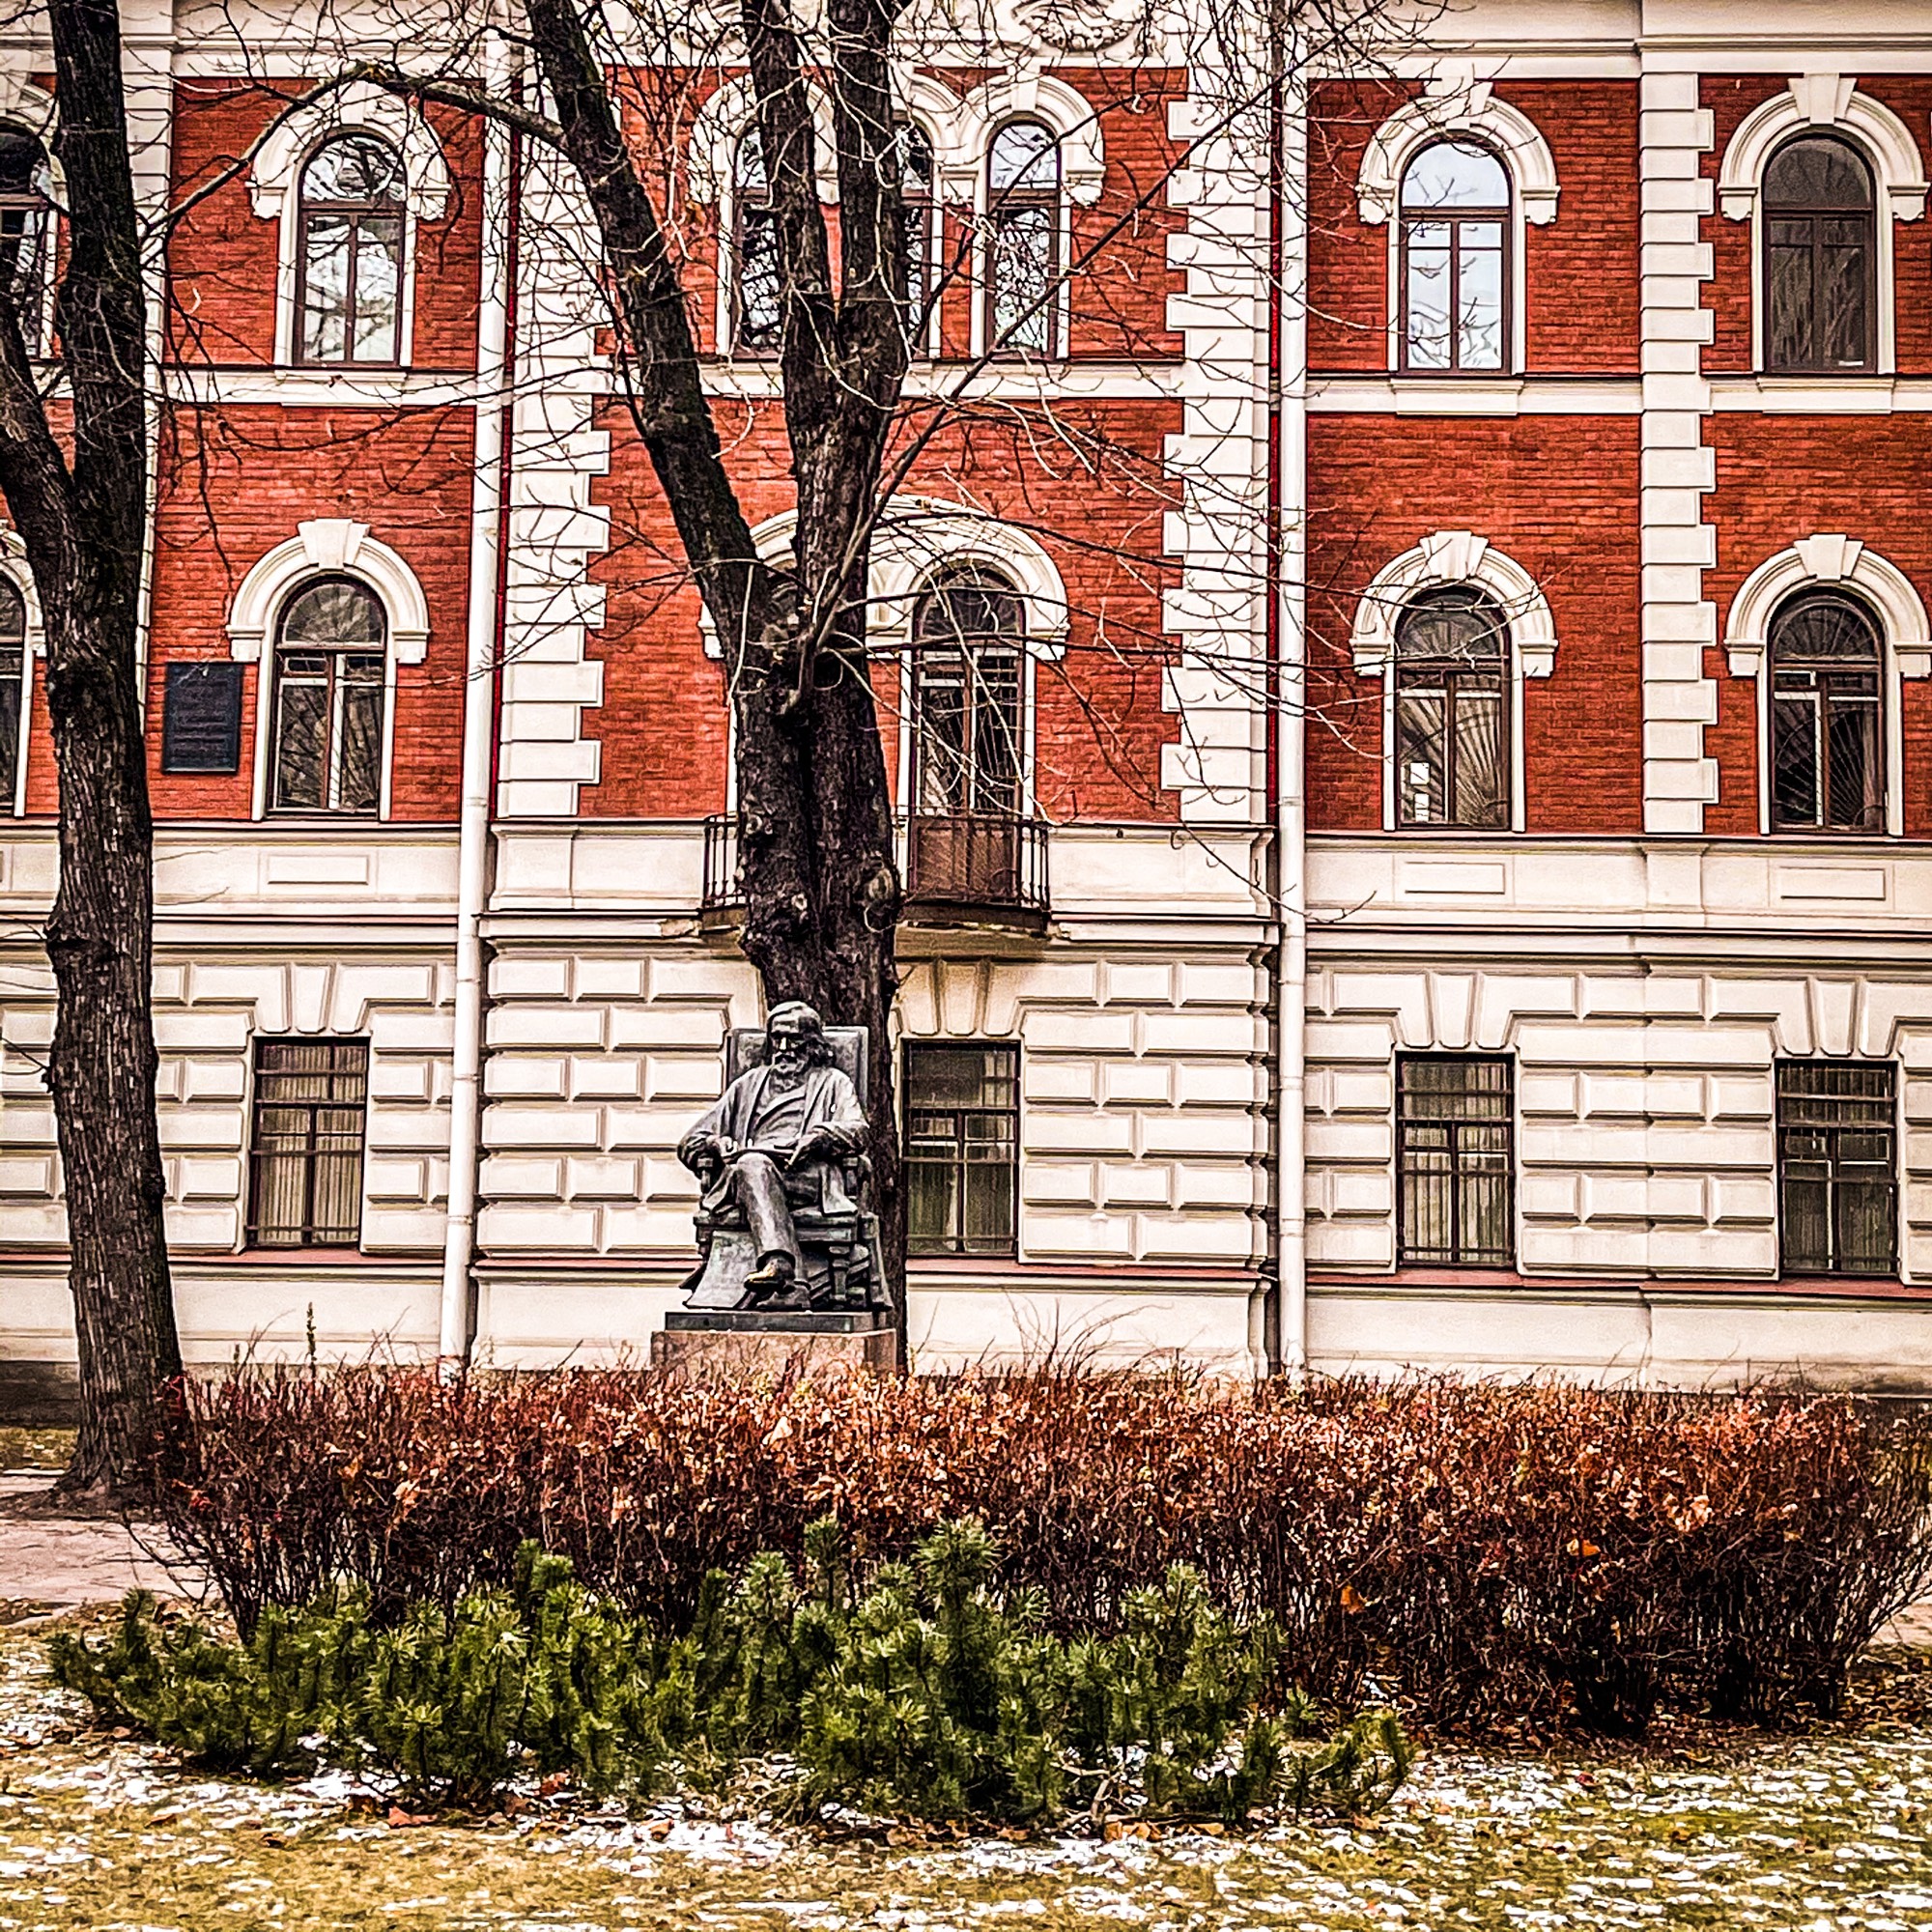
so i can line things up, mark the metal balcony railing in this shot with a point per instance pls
(960, 868)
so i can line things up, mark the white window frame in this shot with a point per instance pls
(274, 192)
(13, 565)
(1457, 108)
(1827, 103)
(1450, 560)
(1832, 561)
(324, 548)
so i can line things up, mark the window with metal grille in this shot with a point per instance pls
(922, 240)
(26, 227)
(1826, 717)
(1837, 1166)
(1819, 255)
(16, 677)
(1455, 1159)
(305, 1159)
(962, 1114)
(328, 701)
(757, 286)
(1451, 712)
(968, 663)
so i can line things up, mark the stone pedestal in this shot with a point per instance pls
(750, 1342)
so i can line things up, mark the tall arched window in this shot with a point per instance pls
(351, 250)
(1455, 273)
(13, 670)
(757, 283)
(967, 695)
(1826, 716)
(1820, 251)
(1023, 239)
(922, 244)
(328, 701)
(26, 219)
(1451, 712)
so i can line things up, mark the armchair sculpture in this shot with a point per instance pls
(784, 1221)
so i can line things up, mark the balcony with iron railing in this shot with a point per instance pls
(962, 869)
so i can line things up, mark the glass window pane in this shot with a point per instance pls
(1793, 726)
(334, 612)
(379, 281)
(1818, 172)
(358, 784)
(1837, 1152)
(1479, 296)
(302, 744)
(1021, 269)
(306, 1187)
(962, 1142)
(1421, 758)
(1852, 746)
(325, 288)
(760, 280)
(1482, 758)
(355, 169)
(1455, 173)
(1841, 303)
(1025, 155)
(1427, 295)
(10, 726)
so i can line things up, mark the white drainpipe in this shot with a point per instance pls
(1291, 817)
(472, 864)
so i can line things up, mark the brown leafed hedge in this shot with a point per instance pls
(1496, 1555)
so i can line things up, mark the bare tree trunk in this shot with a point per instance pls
(83, 524)
(815, 818)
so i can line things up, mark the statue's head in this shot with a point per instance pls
(795, 1038)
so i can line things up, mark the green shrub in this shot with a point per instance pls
(933, 1693)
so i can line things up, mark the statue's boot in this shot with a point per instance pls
(774, 1284)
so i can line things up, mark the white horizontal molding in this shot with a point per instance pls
(1462, 396)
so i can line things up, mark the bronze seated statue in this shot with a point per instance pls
(784, 1222)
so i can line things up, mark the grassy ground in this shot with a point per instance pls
(1831, 1832)
(35, 1448)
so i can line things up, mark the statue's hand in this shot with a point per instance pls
(810, 1147)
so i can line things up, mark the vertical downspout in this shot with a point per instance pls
(1287, 241)
(479, 726)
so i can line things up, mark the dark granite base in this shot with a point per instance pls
(775, 1320)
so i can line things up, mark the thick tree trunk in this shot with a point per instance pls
(814, 807)
(83, 525)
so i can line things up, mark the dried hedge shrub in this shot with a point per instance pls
(1497, 1554)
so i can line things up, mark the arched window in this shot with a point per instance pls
(1455, 273)
(14, 672)
(351, 250)
(1820, 251)
(967, 695)
(922, 244)
(328, 701)
(1451, 712)
(1023, 239)
(26, 218)
(1826, 716)
(758, 285)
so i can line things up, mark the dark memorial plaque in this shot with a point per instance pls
(201, 717)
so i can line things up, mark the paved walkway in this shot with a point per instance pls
(52, 1559)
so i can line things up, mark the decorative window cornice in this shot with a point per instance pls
(1827, 561)
(1457, 105)
(328, 546)
(1828, 102)
(1443, 560)
(359, 107)
(919, 539)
